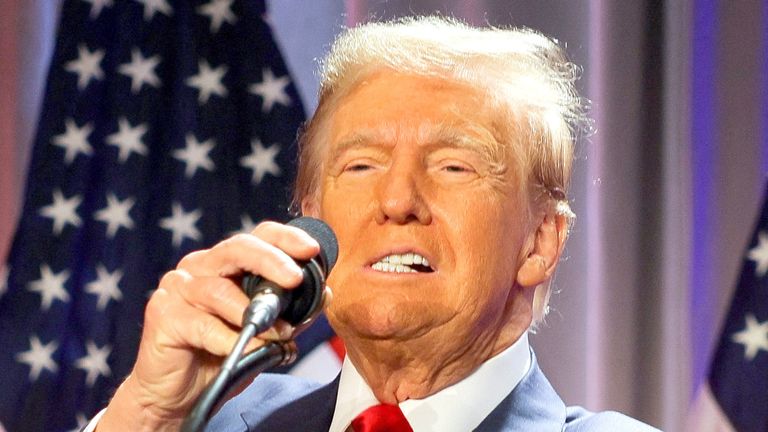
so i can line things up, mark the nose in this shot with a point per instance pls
(400, 195)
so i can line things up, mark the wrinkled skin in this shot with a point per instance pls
(406, 170)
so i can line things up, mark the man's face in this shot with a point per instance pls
(408, 175)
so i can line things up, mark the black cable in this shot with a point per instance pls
(236, 367)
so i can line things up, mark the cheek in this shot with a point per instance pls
(489, 243)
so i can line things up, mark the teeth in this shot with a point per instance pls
(399, 263)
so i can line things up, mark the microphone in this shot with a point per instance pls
(270, 301)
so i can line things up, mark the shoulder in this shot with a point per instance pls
(578, 419)
(267, 394)
(276, 387)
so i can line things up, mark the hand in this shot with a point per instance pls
(192, 322)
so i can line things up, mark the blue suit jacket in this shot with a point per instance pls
(286, 404)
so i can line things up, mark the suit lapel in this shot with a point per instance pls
(311, 412)
(532, 405)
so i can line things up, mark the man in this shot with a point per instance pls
(440, 155)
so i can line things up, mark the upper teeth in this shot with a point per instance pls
(400, 263)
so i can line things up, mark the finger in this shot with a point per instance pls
(215, 295)
(280, 331)
(295, 241)
(186, 326)
(248, 253)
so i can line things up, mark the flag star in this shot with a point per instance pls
(153, 6)
(116, 214)
(128, 139)
(754, 337)
(759, 254)
(141, 70)
(182, 224)
(247, 225)
(74, 140)
(39, 357)
(81, 422)
(261, 160)
(271, 90)
(105, 287)
(219, 11)
(87, 66)
(208, 81)
(195, 155)
(63, 211)
(95, 362)
(50, 286)
(97, 6)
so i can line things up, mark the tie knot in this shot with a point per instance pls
(381, 418)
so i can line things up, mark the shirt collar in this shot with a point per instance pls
(460, 407)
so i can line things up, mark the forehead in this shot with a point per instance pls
(388, 107)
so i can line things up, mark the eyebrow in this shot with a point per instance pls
(457, 135)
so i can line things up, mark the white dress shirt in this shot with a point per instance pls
(460, 407)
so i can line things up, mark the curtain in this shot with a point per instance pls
(665, 191)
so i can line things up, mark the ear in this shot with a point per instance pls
(548, 245)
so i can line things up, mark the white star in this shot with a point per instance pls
(271, 90)
(74, 140)
(116, 214)
(128, 139)
(754, 337)
(246, 225)
(95, 362)
(195, 155)
(182, 224)
(219, 11)
(105, 287)
(81, 422)
(87, 66)
(4, 272)
(39, 357)
(50, 286)
(141, 70)
(261, 160)
(97, 6)
(759, 254)
(152, 6)
(63, 211)
(208, 81)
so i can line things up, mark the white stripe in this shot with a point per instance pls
(705, 414)
(320, 365)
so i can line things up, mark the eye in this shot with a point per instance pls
(457, 168)
(358, 167)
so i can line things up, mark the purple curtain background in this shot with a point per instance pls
(666, 191)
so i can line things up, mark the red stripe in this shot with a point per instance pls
(9, 120)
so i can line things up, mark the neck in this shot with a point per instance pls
(398, 370)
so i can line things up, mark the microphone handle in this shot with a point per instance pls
(298, 305)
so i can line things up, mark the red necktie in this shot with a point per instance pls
(381, 418)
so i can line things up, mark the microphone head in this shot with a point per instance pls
(320, 231)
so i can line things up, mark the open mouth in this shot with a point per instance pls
(410, 262)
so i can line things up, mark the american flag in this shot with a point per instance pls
(166, 126)
(735, 397)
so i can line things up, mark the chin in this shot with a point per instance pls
(386, 319)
